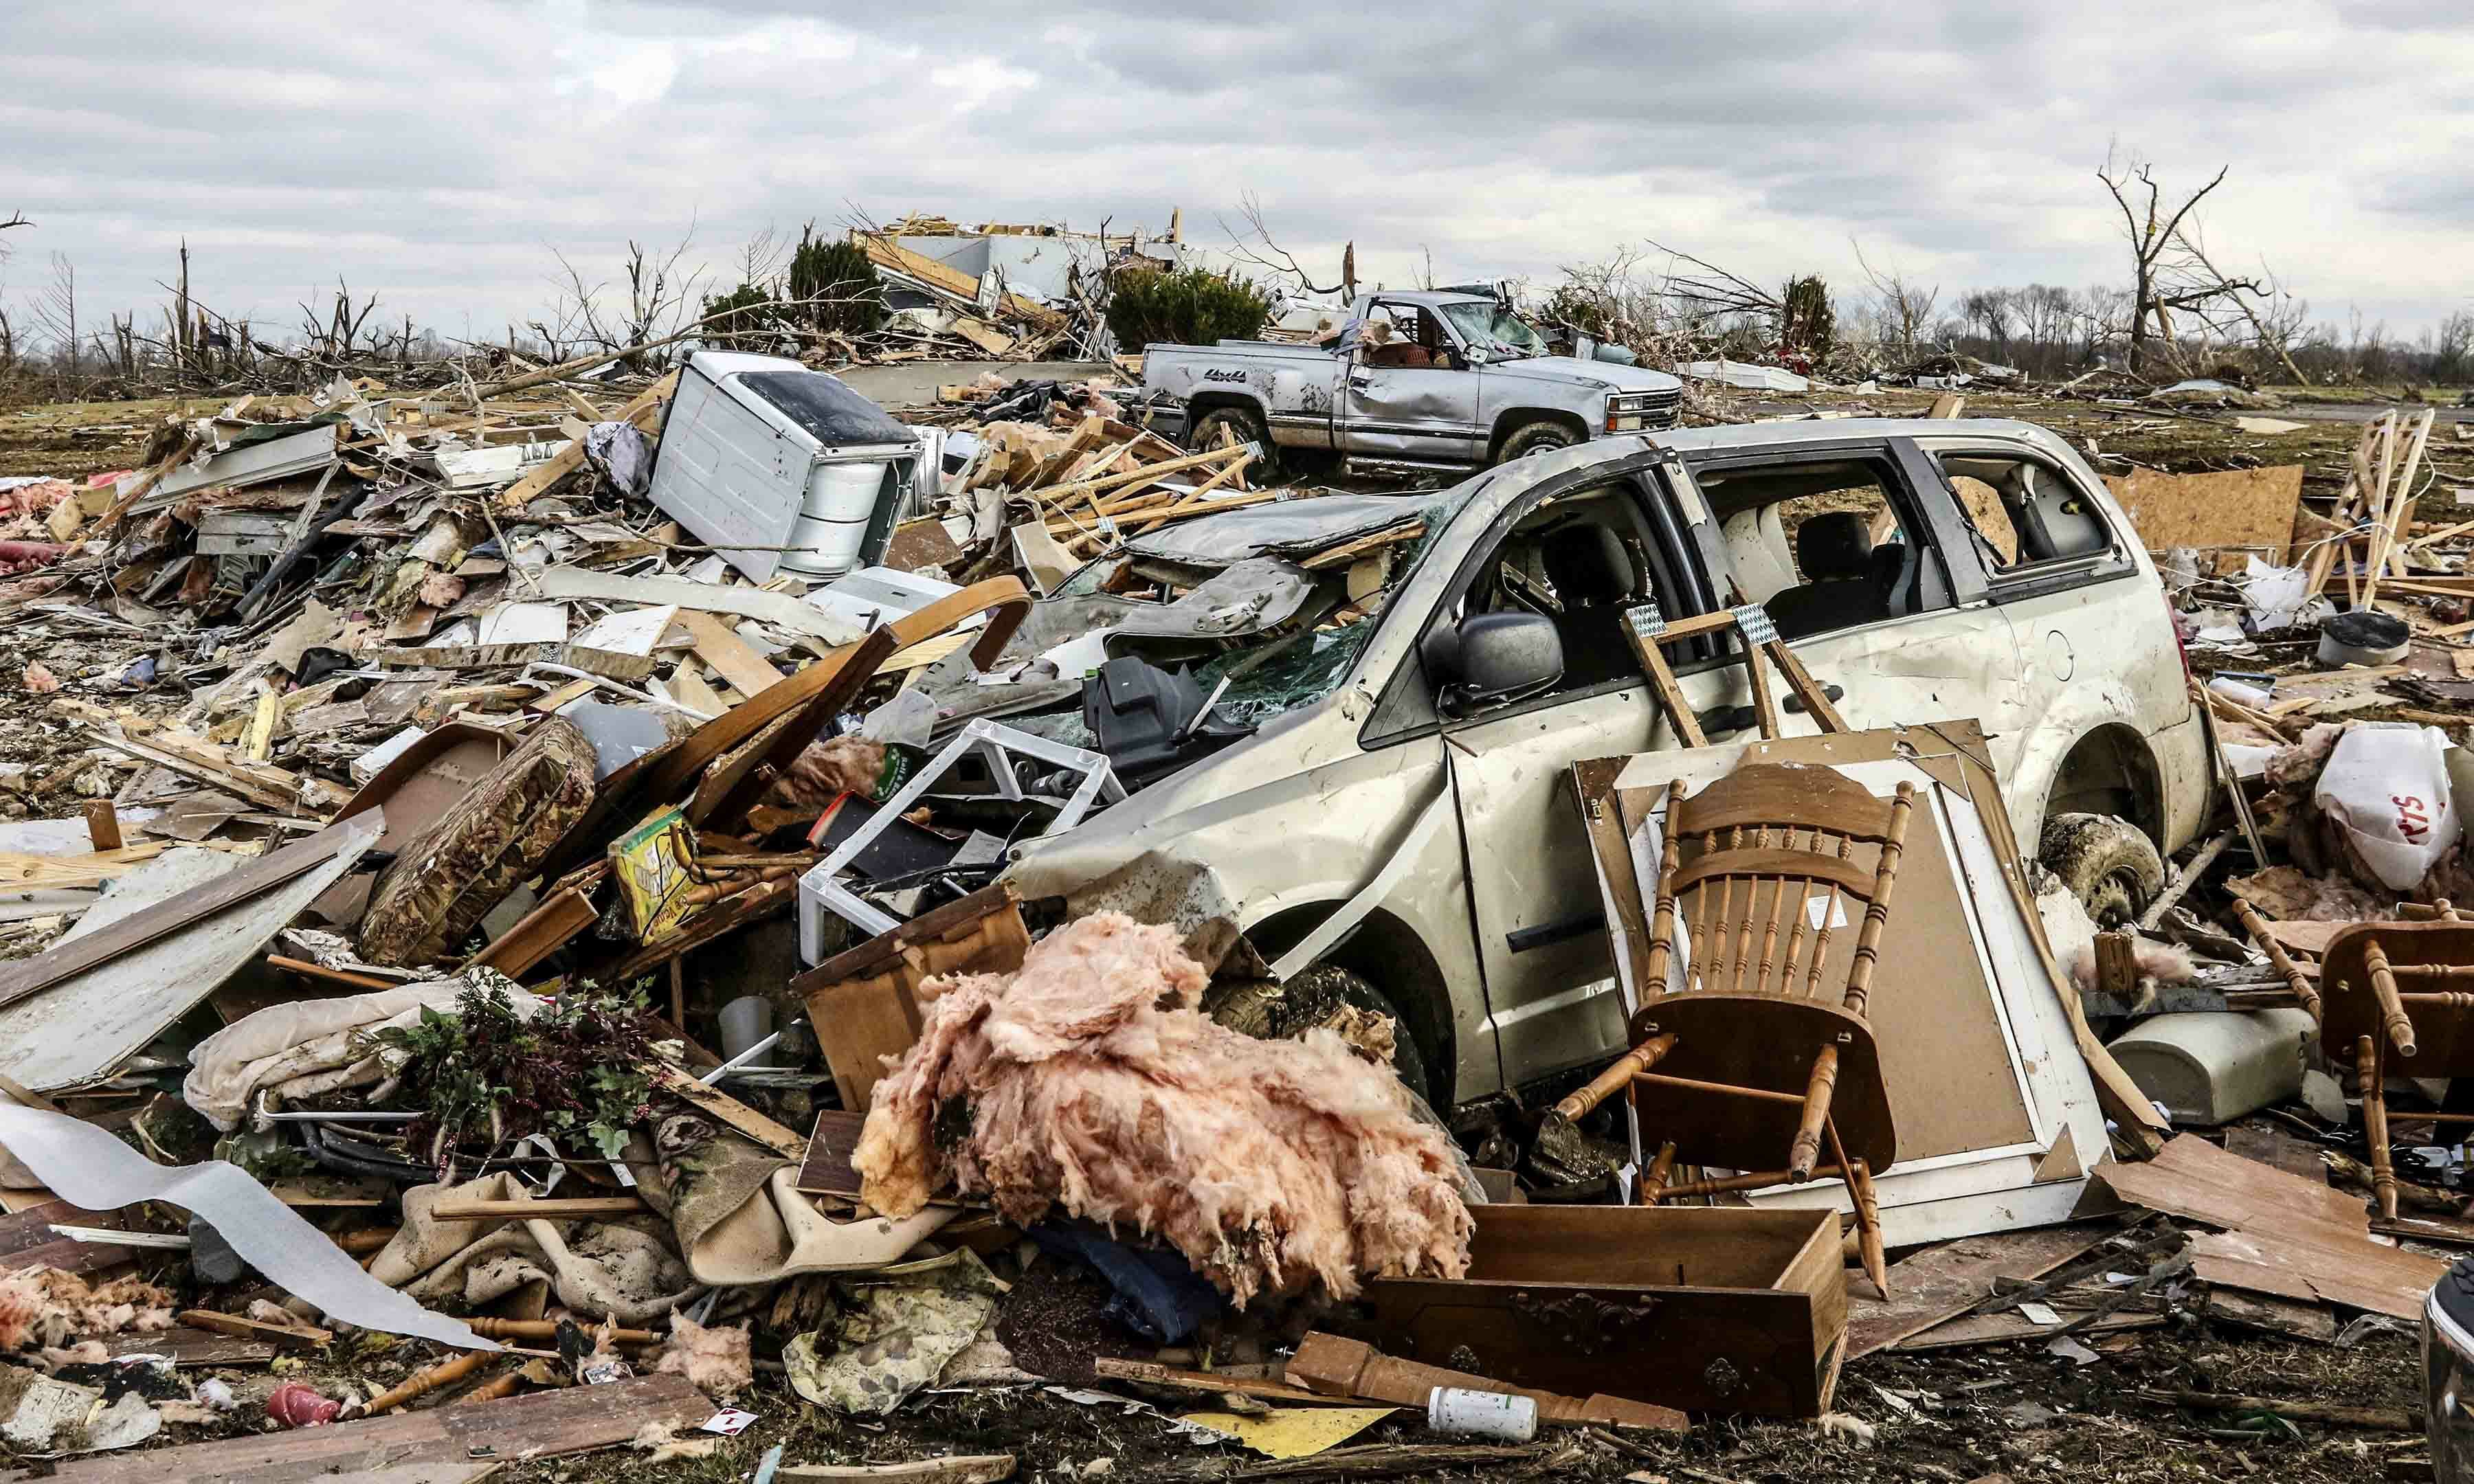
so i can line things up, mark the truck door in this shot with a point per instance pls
(1408, 390)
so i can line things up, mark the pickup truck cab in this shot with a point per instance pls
(1417, 381)
(1403, 811)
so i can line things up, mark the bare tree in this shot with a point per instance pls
(2167, 274)
(16, 219)
(660, 293)
(1255, 246)
(56, 310)
(1904, 307)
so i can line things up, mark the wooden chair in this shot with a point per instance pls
(1765, 1053)
(2369, 1012)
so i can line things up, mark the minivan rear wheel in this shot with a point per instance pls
(2107, 863)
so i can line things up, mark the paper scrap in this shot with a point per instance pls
(87, 1166)
(1291, 1432)
(2039, 1314)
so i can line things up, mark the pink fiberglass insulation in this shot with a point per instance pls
(1093, 1083)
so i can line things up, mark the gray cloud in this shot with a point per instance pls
(436, 157)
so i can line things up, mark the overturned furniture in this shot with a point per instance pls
(1989, 1070)
(2373, 1010)
(1707, 1310)
(1749, 1065)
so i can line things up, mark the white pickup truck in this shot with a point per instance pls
(1420, 381)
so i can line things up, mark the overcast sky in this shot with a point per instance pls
(436, 154)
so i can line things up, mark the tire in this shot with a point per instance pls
(2107, 863)
(1246, 425)
(1539, 437)
(1312, 996)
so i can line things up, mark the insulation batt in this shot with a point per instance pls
(47, 1307)
(1093, 1083)
(823, 771)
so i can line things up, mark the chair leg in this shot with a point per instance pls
(2369, 1062)
(1805, 1152)
(1868, 1213)
(1661, 1169)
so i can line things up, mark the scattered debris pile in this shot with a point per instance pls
(425, 808)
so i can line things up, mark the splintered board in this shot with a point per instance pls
(2252, 509)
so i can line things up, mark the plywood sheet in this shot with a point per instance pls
(2284, 1234)
(1939, 1282)
(2246, 508)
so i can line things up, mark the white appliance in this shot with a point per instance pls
(760, 452)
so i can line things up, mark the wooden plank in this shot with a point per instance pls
(27, 1240)
(642, 411)
(302, 1336)
(250, 784)
(545, 1424)
(605, 663)
(1209, 1382)
(954, 1468)
(1346, 1367)
(2272, 1146)
(1932, 1285)
(577, 1208)
(729, 1110)
(825, 1168)
(34, 975)
(2284, 1234)
(201, 1348)
(731, 657)
(540, 933)
(102, 825)
(693, 691)
(2011, 1325)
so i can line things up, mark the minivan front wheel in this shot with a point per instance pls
(2107, 863)
(1324, 995)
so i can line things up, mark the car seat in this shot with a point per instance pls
(1594, 578)
(1843, 583)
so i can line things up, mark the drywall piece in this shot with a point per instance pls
(2211, 1068)
(78, 1029)
(778, 609)
(632, 632)
(2252, 509)
(524, 623)
(876, 595)
(494, 468)
(90, 1166)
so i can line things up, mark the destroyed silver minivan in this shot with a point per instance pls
(1408, 818)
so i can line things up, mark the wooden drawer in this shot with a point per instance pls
(1710, 1309)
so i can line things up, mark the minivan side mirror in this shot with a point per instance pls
(1474, 356)
(1490, 658)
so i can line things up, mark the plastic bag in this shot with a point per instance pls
(2387, 787)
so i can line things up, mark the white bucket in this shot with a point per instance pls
(1481, 1414)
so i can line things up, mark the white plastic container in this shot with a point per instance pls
(1462, 1413)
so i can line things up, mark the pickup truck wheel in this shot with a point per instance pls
(1245, 426)
(1539, 437)
(2107, 863)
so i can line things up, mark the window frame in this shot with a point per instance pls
(2051, 575)
(1405, 711)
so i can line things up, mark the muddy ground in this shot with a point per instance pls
(1954, 1415)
